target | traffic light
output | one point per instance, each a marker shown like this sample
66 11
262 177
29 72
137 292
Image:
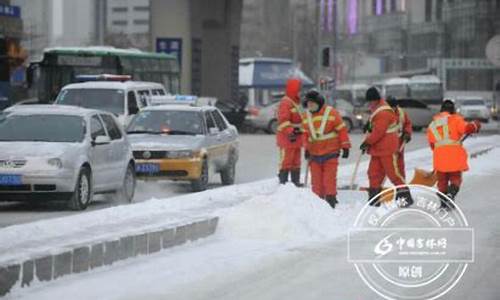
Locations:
325 57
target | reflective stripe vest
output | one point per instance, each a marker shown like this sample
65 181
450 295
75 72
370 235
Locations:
296 109
401 122
444 139
316 135
444 134
393 127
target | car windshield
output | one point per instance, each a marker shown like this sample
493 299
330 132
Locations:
472 102
426 90
110 100
167 122
41 128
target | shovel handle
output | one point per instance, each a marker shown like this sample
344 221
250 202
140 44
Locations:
306 180
355 173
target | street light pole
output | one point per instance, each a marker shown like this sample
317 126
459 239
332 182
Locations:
319 50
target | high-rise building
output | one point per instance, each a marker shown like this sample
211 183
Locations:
37 18
447 38
128 23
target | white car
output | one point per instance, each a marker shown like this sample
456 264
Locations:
123 99
474 108
53 152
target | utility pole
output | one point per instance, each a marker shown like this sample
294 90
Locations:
319 49
335 41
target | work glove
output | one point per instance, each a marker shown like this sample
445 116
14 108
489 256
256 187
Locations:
292 137
345 152
406 137
478 125
366 127
307 155
364 147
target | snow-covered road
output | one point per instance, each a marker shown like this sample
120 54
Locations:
258 160
283 243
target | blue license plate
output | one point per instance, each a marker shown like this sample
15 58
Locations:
10 179
147 168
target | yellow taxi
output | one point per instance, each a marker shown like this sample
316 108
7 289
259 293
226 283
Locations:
183 142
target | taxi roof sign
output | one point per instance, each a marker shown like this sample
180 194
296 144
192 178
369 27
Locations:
174 99
182 100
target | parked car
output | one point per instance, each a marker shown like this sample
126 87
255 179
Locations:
121 98
265 118
181 142
420 113
474 108
63 153
351 118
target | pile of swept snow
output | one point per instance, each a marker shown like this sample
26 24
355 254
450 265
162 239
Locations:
289 214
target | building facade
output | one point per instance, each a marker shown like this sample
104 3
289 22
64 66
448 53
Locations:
11 53
384 38
128 23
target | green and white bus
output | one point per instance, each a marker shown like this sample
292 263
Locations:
60 66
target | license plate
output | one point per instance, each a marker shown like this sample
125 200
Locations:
10 179
147 168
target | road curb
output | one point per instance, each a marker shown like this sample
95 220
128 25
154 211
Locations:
75 259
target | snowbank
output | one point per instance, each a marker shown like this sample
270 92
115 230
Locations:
288 215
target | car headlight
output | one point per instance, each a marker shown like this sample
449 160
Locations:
359 117
179 154
55 162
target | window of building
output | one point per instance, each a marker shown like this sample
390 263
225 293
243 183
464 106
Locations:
439 10
119 9
141 22
120 22
428 10
394 6
141 8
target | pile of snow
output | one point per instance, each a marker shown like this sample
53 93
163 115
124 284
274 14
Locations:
289 214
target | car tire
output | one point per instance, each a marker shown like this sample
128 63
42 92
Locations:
272 127
126 192
82 195
228 174
201 183
348 124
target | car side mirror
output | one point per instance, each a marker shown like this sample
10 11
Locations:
213 130
101 140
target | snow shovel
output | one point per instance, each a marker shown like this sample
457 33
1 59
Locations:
428 178
421 177
354 185
306 180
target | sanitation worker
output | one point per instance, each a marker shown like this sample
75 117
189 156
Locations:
405 130
325 138
445 134
382 144
289 134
